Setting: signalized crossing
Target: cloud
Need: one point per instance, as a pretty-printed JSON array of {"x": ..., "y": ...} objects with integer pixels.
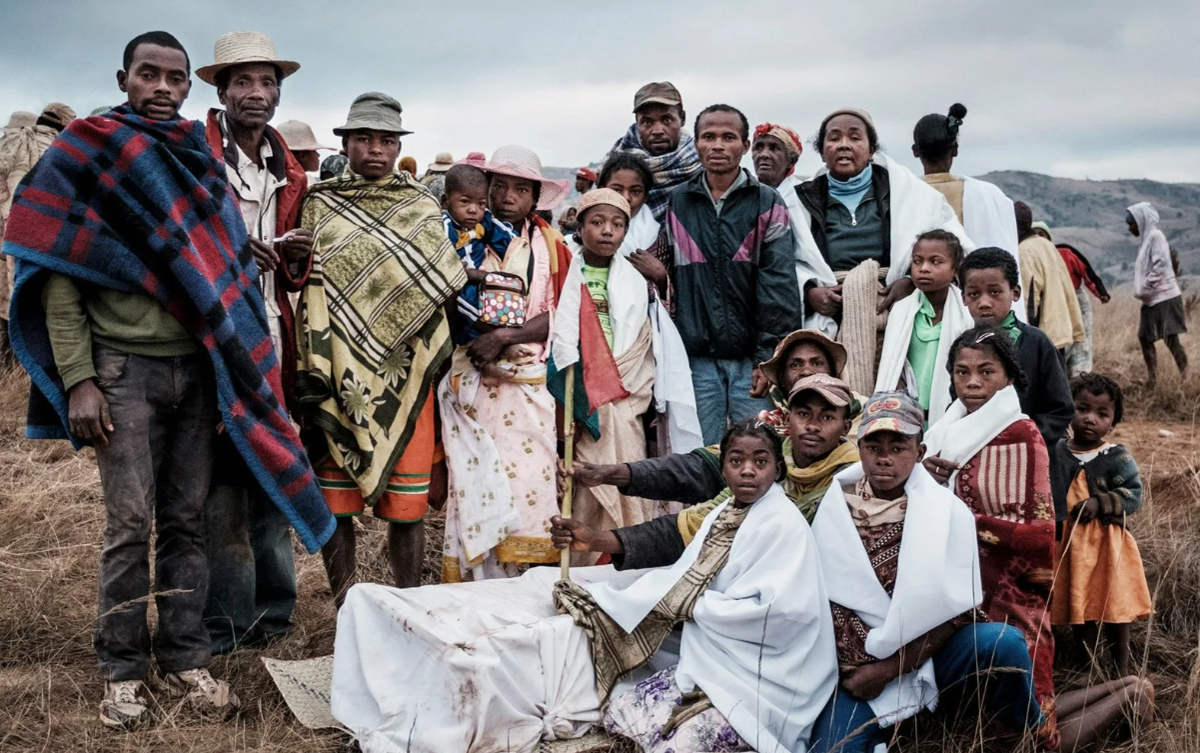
[{"x": 1082, "y": 89}]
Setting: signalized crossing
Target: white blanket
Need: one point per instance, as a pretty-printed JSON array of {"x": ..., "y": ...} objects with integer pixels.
[
  {"x": 487, "y": 667},
  {"x": 894, "y": 358},
  {"x": 640, "y": 234},
  {"x": 629, "y": 305},
  {"x": 937, "y": 580},
  {"x": 761, "y": 642},
  {"x": 915, "y": 208},
  {"x": 991, "y": 221},
  {"x": 960, "y": 436}
]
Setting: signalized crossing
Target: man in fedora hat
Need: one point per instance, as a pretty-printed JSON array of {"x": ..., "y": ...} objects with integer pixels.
[
  {"x": 435, "y": 175},
  {"x": 252, "y": 575},
  {"x": 303, "y": 144},
  {"x": 375, "y": 336},
  {"x": 657, "y": 132}
]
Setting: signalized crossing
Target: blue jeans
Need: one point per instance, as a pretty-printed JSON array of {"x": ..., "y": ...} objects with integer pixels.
[
  {"x": 722, "y": 388},
  {"x": 972, "y": 651},
  {"x": 251, "y": 568}
]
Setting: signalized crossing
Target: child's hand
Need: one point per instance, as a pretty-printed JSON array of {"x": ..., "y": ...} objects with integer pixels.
[{"x": 1088, "y": 511}]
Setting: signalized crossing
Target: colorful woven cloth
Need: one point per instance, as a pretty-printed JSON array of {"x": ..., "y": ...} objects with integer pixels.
[
  {"x": 670, "y": 170},
  {"x": 472, "y": 247},
  {"x": 373, "y": 333},
  {"x": 133, "y": 204}
]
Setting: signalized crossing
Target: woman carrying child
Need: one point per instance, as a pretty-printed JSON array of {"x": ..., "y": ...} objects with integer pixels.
[
  {"x": 1099, "y": 580},
  {"x": 603, "y": 329},
  {"x": 922, "y": 326},
  {"x": 994, "y": 459}
]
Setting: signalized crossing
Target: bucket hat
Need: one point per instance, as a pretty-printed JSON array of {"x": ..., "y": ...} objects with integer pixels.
[
  {"x": 519, "y": 162},
  {"x": 374, "y": 111}
]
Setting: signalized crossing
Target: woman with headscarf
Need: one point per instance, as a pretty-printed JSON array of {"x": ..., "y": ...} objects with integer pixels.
[
  {"x": 1154, "y": 284},
  {"x": 858, "y": 222}
]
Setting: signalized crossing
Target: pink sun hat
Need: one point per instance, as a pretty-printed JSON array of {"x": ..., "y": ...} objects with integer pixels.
[{"x": 519, "y": 162}]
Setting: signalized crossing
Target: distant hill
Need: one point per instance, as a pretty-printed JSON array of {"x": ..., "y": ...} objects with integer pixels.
[{"x": 1090, "y": 215}]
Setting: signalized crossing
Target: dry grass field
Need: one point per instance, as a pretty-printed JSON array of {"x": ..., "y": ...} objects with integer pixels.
[{"x": 51, "y": 516}]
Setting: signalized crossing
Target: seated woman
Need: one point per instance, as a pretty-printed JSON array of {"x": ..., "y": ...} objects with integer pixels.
[
  {"x": 820, "y": 414},
  {"x": 489, "y": 666},
  {"x": 856, "y": 225},
  {"x": 901, "y": 566},
  {"x": 994, "y": 459}
]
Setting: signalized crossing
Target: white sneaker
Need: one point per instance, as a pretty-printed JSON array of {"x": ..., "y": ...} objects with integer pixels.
[
  {"x": 201, "y": 690},
  {"x": 123, "y": 705}
]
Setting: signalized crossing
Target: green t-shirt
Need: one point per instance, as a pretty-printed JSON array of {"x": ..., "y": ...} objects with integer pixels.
[
  {"x": 922, "y": 350},
  {"x": 596, "y": 279}
]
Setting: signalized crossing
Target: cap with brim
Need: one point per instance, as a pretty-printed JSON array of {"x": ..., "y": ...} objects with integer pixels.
[
  {"x": 897, "y": 412},
  {"x": 657, "y": 93},
  {"x": 373, "y": 111},
  {"x": 586, "y": 173},
  {"x": 58, "y": 113},
  {"x": 519, "y": 162},
  {"x": 836, "y": 351},
  {"x": 299, "y": 137},
  {"x": 599, "y": 196},
  {"x": 240, "y": 47},
  {"x": 835, "y": 392},
  {"x": 441, "y": 163}
]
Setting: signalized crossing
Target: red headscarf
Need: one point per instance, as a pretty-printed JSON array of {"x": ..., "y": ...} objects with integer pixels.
[{"x": 791, "y": 140}]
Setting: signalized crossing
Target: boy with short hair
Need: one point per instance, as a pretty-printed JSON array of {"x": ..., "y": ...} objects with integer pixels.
[
  {"x": 991, "y": 284},
  {"x": 879, "y": 516}
]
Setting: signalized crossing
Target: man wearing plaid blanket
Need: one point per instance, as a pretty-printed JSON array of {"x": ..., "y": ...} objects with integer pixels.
[{"x": 137, "y": 315}]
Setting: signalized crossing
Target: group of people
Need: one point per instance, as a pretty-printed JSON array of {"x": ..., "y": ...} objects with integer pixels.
[{"x": 820, "y": 428}]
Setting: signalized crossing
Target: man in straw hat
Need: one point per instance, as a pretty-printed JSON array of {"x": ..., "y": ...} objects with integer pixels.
[
  {"x": 252, "y": 575},
  {"x": 143, "y": 333},
  {"x": 374, "y": 338},
  {"x": 303, "y": 144},
  {"x": 435, "y": 175},
  {"x": 510, "y": 427}
]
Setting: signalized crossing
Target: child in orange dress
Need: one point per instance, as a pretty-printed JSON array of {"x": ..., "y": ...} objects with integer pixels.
[{"x": 1099, "y": 580}]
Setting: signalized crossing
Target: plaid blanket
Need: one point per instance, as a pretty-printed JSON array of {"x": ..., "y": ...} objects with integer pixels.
[
  {"x": 140, "y": 205},
  {"x": 669, "y": 170},
  {"x": 472, "y": 246},
  {"x": 373, "y": 332}
]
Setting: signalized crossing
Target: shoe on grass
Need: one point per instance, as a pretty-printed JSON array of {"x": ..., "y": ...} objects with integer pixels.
[
  {"x": 123, "y": 705},
  {"x": 201, "y": 691}
]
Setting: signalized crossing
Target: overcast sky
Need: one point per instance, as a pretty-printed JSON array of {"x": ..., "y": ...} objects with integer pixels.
[{"x": 1095, "y": 89}]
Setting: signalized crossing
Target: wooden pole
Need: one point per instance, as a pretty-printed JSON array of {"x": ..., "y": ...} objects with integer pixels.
[{"x": 568, "y": 458}]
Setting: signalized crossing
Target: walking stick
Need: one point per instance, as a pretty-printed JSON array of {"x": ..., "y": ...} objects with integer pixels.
[{"x": 568, "y": 459}]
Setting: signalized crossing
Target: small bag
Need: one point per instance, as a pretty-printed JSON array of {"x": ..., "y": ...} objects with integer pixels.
[{"x": 502, "y": 300}]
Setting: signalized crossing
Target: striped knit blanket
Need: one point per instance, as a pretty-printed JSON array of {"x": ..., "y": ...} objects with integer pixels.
[
  {"x": 140, "y": 205},
  {"x": 670, "y": 170}
]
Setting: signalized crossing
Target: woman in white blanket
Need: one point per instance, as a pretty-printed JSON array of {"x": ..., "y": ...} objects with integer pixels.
[
  {"x": 606, "y": 327},
  {"x": 921, "y": 328},
  {"x": 856, "y": 225},
  {"x": 483, "y": 667}
]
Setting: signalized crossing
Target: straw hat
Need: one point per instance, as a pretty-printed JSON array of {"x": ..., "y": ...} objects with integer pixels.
[
  {"x": 373, "y": 111},
  {"x": 519, "y": 162},
  {"x": 239, "y": 47},
  {"x": 299, "y": 137},
  {"x": 22, "y": 119},
  {"x": 441, "y": 163},
  {"x": 605, "y": 196}
]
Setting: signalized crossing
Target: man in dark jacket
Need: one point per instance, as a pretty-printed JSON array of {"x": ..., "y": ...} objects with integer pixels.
[{"x": 736, "y": 293}]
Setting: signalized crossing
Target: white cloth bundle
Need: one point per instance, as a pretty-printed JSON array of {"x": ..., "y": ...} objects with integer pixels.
[
  {"x": 937, "y": 579},
  {"x": 641, "y": 233},
  {"x": 956, "y": 319}
]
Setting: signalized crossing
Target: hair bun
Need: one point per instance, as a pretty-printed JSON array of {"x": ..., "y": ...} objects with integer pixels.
[{"x": 958, "y": 111}]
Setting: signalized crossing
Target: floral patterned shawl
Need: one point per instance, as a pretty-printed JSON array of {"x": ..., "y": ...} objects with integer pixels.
[{"x": 373, "y": 331}]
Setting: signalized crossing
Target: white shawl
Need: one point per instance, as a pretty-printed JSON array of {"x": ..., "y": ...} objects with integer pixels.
[
  {"x": 641, "y": 233},
  {"x": 991, "y": 221},
  {"x": 761, "y": 642},
  {"x": 629, "y": 306},
  {"x": 915, "y": 208},
  {"x": 937, "y": 580},
  {"x": 960, "y": 436},
  {"x": 956, "y": 319}
]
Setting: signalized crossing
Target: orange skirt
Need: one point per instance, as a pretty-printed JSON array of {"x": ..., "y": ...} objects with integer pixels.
[
  {"x": 406, "y": 498},
  {"x": 1098, "y": 572}
]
